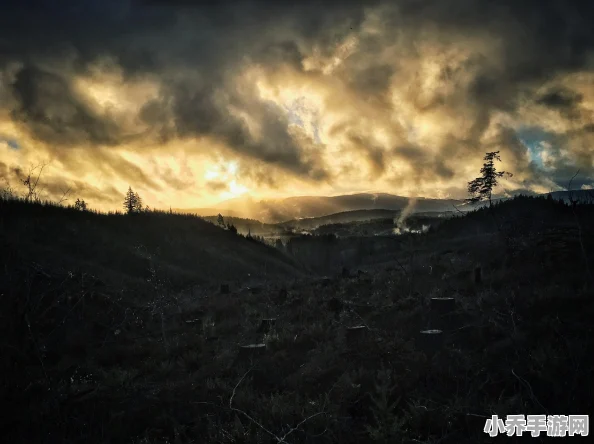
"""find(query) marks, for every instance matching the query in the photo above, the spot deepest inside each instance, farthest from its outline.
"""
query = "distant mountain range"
(579, 195)
(287, 209)
(355, 207)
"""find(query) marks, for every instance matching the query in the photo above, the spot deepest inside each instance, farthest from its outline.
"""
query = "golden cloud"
(382, 96)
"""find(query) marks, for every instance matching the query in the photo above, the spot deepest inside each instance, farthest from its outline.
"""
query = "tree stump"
(335, 305)
(283, 294)
(346, 273)
(251, 351)
(209, 331)
(355, 336)
(326, 281)
(441, 315)
(266, 325)
(430, 342)
(478, 278)
(443, 305)
(224, 288)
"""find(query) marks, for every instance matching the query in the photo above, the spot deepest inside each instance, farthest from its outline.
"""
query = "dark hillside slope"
(85, 361)
(520, 216)
(183, 249)
(244, 226)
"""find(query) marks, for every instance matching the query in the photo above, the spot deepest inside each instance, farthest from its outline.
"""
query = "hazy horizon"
(194, 103)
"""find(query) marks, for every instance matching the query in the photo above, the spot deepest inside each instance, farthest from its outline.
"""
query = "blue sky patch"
(532, 138)
(12, 143)
(294, 116)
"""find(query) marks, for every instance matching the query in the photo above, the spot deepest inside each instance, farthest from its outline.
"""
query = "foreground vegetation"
(101, 347)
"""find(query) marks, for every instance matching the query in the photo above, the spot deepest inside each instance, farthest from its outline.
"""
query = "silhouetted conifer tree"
(132, 202)
(481, 188)
(80, 205)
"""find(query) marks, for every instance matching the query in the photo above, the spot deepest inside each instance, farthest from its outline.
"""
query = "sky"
(194, 102)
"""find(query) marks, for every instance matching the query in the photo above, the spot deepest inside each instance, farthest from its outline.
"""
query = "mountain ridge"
(298, 207)
(285, 210)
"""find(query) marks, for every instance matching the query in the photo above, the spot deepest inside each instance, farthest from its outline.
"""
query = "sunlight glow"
(232, 168)
(211, 174)
(234, 190)
(237, 189)
(226, 173)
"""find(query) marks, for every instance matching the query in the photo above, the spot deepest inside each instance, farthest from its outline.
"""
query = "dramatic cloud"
(400, 96)
(54, 113)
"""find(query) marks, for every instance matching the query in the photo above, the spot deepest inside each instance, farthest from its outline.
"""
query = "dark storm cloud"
(426, 167)
(371, 80)
(36, 30)
(534, 41)
(560, 98)
(541, 38)
(195, 48)
(51, 110)
(563, 100)
(208, 40)
(555, 33)
(375, 155)
(199, 112)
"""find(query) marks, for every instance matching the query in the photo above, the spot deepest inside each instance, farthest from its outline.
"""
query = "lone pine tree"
(132, 202)
(481, 188)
